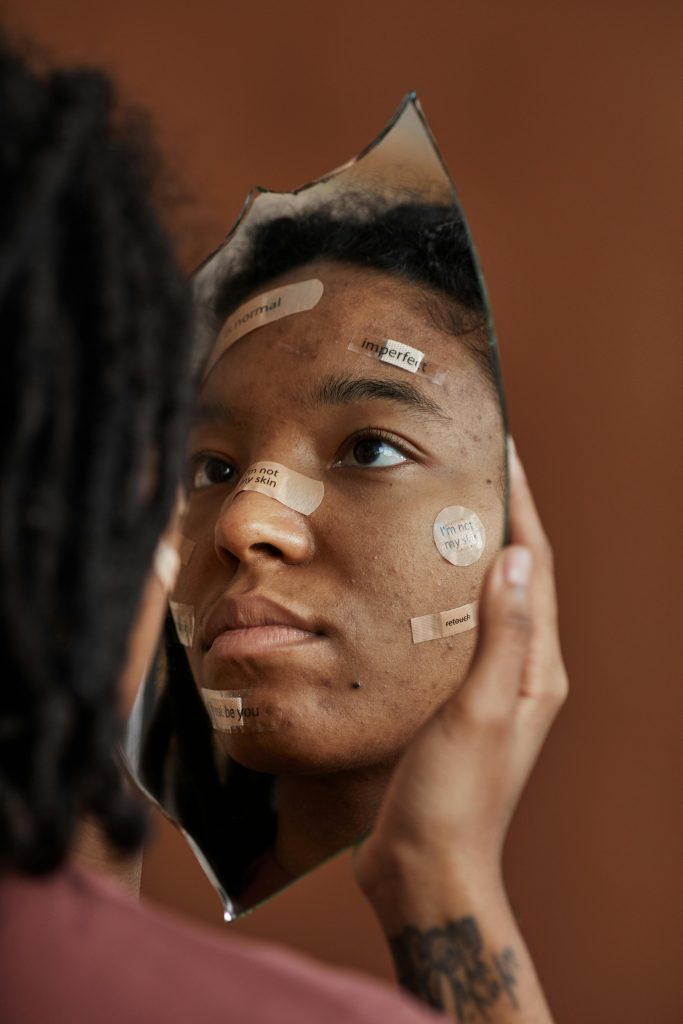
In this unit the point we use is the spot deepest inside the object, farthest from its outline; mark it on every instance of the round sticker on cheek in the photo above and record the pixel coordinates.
(459, 535)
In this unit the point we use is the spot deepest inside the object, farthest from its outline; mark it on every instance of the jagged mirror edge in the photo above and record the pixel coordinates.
(403, 160)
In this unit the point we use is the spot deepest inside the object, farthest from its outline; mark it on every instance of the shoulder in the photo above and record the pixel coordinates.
(73, 948)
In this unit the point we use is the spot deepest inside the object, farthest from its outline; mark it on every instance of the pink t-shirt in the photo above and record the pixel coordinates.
(73, 948)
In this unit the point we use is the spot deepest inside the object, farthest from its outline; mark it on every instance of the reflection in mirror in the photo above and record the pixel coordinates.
(346, 493)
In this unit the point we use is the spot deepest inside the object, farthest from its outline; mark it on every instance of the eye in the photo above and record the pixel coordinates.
(209, 470)
(373, 451)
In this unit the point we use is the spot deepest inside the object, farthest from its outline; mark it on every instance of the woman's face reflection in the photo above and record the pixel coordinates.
(392, 449)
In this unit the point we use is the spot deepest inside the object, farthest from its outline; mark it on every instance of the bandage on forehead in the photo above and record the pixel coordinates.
(442, 624)
(183, 618)
(397, 353)
(285, 485)
(265, 309)
(238, 711)
(459, 535)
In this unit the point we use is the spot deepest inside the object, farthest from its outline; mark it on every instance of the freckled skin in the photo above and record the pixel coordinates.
(364, 563)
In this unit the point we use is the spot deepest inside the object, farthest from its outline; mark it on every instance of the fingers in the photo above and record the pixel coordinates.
(526, 528)
(495, 678)
(525, 522)
(546, 676)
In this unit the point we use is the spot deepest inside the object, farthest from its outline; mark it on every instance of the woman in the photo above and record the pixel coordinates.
(305, 624)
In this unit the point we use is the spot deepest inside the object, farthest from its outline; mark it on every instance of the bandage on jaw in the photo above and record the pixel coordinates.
(183, 618)
(285, 485)
(442, 624)
(459, 535)
(265, 309)
(237, 711)
(398, 354)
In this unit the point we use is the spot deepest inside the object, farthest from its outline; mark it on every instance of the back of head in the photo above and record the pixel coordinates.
(95, 391)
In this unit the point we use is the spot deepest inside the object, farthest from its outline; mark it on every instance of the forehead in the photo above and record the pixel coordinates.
(294, 353)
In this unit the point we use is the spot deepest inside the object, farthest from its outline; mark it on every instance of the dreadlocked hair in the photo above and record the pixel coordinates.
(96, 392)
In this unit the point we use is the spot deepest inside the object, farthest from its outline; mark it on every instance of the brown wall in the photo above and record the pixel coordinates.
(561, 125)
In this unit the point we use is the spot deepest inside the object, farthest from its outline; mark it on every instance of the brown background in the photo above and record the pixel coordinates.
(561, 125)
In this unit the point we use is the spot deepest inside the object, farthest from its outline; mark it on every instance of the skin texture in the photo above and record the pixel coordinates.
(359, 567)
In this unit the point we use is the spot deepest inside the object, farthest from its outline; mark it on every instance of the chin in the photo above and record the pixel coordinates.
(291, 752)
(276, 753)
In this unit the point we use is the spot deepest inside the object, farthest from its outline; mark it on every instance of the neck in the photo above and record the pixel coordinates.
(93, 852)
(321, 814)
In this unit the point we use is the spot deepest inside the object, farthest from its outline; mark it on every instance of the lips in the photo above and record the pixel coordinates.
(253, 617)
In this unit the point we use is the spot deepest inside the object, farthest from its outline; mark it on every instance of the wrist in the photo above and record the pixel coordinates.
(410, 886)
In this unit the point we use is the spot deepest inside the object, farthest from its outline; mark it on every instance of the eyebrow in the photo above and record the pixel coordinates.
(348, 390)
(215, 413)
(339, 390)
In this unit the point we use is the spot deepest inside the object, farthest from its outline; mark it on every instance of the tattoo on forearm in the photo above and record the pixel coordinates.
(446, 968)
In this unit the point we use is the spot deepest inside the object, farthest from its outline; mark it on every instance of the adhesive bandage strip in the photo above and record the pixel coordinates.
(185, 549)
(285, 485)
(166, 565)
(396, 353)
(264, 309)
(441, 624)
(183, 617)
(234, 711)
(459, 535)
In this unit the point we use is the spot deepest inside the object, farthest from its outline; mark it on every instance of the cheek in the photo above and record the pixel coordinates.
(404, 576)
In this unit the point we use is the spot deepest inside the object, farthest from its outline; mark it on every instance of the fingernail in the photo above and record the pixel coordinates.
(517, 566)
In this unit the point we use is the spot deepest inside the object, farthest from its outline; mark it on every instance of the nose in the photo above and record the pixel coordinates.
(253, 527)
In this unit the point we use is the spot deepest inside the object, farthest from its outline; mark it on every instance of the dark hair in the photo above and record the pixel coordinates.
(96, 391)
(229, 811)
(425, 243)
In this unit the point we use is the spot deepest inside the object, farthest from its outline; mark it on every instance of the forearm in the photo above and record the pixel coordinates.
(457, 947)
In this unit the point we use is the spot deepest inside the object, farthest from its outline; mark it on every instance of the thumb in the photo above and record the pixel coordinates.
(494, 680)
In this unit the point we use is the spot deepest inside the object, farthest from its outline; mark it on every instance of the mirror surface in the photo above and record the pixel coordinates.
(346, 494)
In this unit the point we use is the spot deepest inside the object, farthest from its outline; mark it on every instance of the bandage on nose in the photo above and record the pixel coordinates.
(285, 485)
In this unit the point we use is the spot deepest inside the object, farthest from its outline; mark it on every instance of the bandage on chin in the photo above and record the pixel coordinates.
(262, 310)
(238, 711)
(285, 485)
(442, 624)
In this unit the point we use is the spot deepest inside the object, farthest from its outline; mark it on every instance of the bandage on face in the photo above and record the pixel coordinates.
(459, 535)
(183, 618)
(264, 309)
(186, 549)
(403, 356)
(290, 488)
(442, 624)
(238, 711)
(167, 565)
